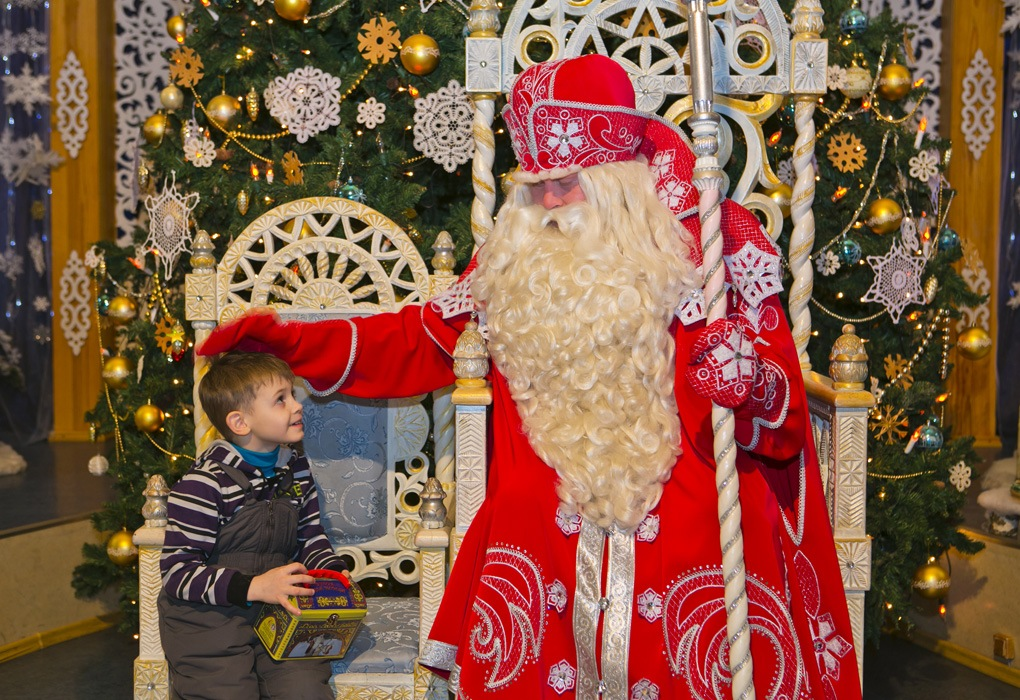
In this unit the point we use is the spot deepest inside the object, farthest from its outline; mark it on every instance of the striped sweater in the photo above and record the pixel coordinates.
(204, 500)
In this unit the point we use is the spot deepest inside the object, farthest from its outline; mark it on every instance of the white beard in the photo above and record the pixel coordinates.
(578, 323)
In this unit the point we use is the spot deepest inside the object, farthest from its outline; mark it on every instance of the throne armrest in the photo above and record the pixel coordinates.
(150, 669)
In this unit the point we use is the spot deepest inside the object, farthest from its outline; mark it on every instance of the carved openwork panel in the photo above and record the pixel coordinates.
(321, 253)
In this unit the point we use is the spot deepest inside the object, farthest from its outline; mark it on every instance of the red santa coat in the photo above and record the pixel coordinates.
(540, 604)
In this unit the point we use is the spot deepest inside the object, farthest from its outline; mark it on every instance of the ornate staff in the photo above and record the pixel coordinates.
(708, 178)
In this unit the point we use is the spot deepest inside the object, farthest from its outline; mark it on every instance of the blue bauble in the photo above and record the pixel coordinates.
(929, 438)
(351, 191)
(789, 110)
(849, 251)
(949, 240)
(853, 22)
(103, 303)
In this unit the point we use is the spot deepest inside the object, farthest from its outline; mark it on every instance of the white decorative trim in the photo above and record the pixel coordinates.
(72, 104)
(977, 116)
(350, 364)
(74, 303)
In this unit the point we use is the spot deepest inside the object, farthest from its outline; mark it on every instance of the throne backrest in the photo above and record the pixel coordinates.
(327, 257)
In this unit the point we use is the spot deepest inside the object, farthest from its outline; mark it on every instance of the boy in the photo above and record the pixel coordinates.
(243, 527)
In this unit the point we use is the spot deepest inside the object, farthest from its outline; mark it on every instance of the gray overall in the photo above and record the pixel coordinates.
(212, 650)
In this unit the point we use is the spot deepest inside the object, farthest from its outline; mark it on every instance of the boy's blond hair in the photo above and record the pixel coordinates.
(233, 380)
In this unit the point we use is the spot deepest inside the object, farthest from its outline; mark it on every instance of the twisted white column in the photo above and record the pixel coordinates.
(482, 178)
(802, 239)
(444, 433)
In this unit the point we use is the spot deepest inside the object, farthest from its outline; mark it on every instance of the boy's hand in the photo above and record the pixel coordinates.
(276, 585)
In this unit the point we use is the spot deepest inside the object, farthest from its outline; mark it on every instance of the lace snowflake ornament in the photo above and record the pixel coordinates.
(827, 263)
(442, 126)
(31, 161)
(306, 101)
(371, 113)
(169, 229)
(26, 89)
(959, 476)
(897, 280)
(785, 171)
(835, 77)
(925, 165)
(200, 151)
(756, 273)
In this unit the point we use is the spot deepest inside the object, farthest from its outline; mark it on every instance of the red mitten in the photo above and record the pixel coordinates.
(723, 363)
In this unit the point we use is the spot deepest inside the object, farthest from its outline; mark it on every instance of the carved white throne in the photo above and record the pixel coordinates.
(753, 60)
(320, 258)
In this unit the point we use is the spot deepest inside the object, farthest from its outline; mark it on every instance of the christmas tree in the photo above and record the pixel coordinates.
(884, 261)
(265, 103)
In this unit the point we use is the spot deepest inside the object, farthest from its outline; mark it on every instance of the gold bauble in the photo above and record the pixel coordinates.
(149, 418)
(782, 195)
(122, 309)
(223, 108)
(931, 581)
(419, 54)
(177, 28)
(857, 83)
(171, 97)
(293, 10)
(974, 343)
(154, 128)
(121, 550)
(116, 372)
(894, 82)
(242, 202)
(884, 216)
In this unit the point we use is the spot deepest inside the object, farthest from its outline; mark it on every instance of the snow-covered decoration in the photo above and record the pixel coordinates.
(959, 476)
(975, 274)
(835, 77)
(827, 263)
(924, 17)
(30, 41)
(925, 165)
(27, 89)
(978, 112)
(11, 265)
(442, 126)
(897, 280)
(785, 171)
(169, 230)
(141, 72)
(1012, 19)
(371, 113)
(75, 320)
(72, 104)
(306, 101)
(200, 151)
(37, 252)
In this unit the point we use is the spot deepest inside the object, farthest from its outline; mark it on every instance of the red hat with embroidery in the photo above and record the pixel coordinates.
(573, 113)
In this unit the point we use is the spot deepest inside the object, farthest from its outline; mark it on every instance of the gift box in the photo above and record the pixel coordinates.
(329, 620)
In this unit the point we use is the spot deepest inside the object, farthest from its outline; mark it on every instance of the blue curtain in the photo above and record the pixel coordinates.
(26, 394)
(1008, 283)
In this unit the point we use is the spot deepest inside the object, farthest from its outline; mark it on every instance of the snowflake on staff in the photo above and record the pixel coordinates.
(897, 280)
(889, 424)
(371, 113)
(26, 89)
(442, 126)
(169, 228)
(306, 101)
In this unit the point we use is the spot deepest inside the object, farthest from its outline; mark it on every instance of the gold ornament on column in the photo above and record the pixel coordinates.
(177, 28)
(894, 81)
(149, 418)
(154, 128)
(171, 97)
(884, 216)
(251, 104)
(782, 195)
(121, 549)
(931, 581)
(242, 202)
(974, 343)
(223, 108)
(122, 309)
(419, 54)
(293, 10)
(116, 372)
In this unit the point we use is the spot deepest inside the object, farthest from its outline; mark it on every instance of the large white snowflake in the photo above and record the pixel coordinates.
(959, 476)
(1012, 20)
(442, 126)
(755, 272)
(37, 252)
(925, 165)
(306, 101)
(200, 151)
(371, 113)
(827, 263)
(26, 89)
(30, 41)
(32, 161)
(11, 265)
(169, 230)
(897, 280)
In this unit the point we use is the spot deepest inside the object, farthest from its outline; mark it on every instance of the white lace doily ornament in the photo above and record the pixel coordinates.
(26, 89)
(785, 171)
(897, 280)
(169, 232)
(98, 465)
(959, 476)
(371, 113)
(442, 126)
(306, 101)
(835, 77)
(200, 151)
(924, 166)
(827, 263)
